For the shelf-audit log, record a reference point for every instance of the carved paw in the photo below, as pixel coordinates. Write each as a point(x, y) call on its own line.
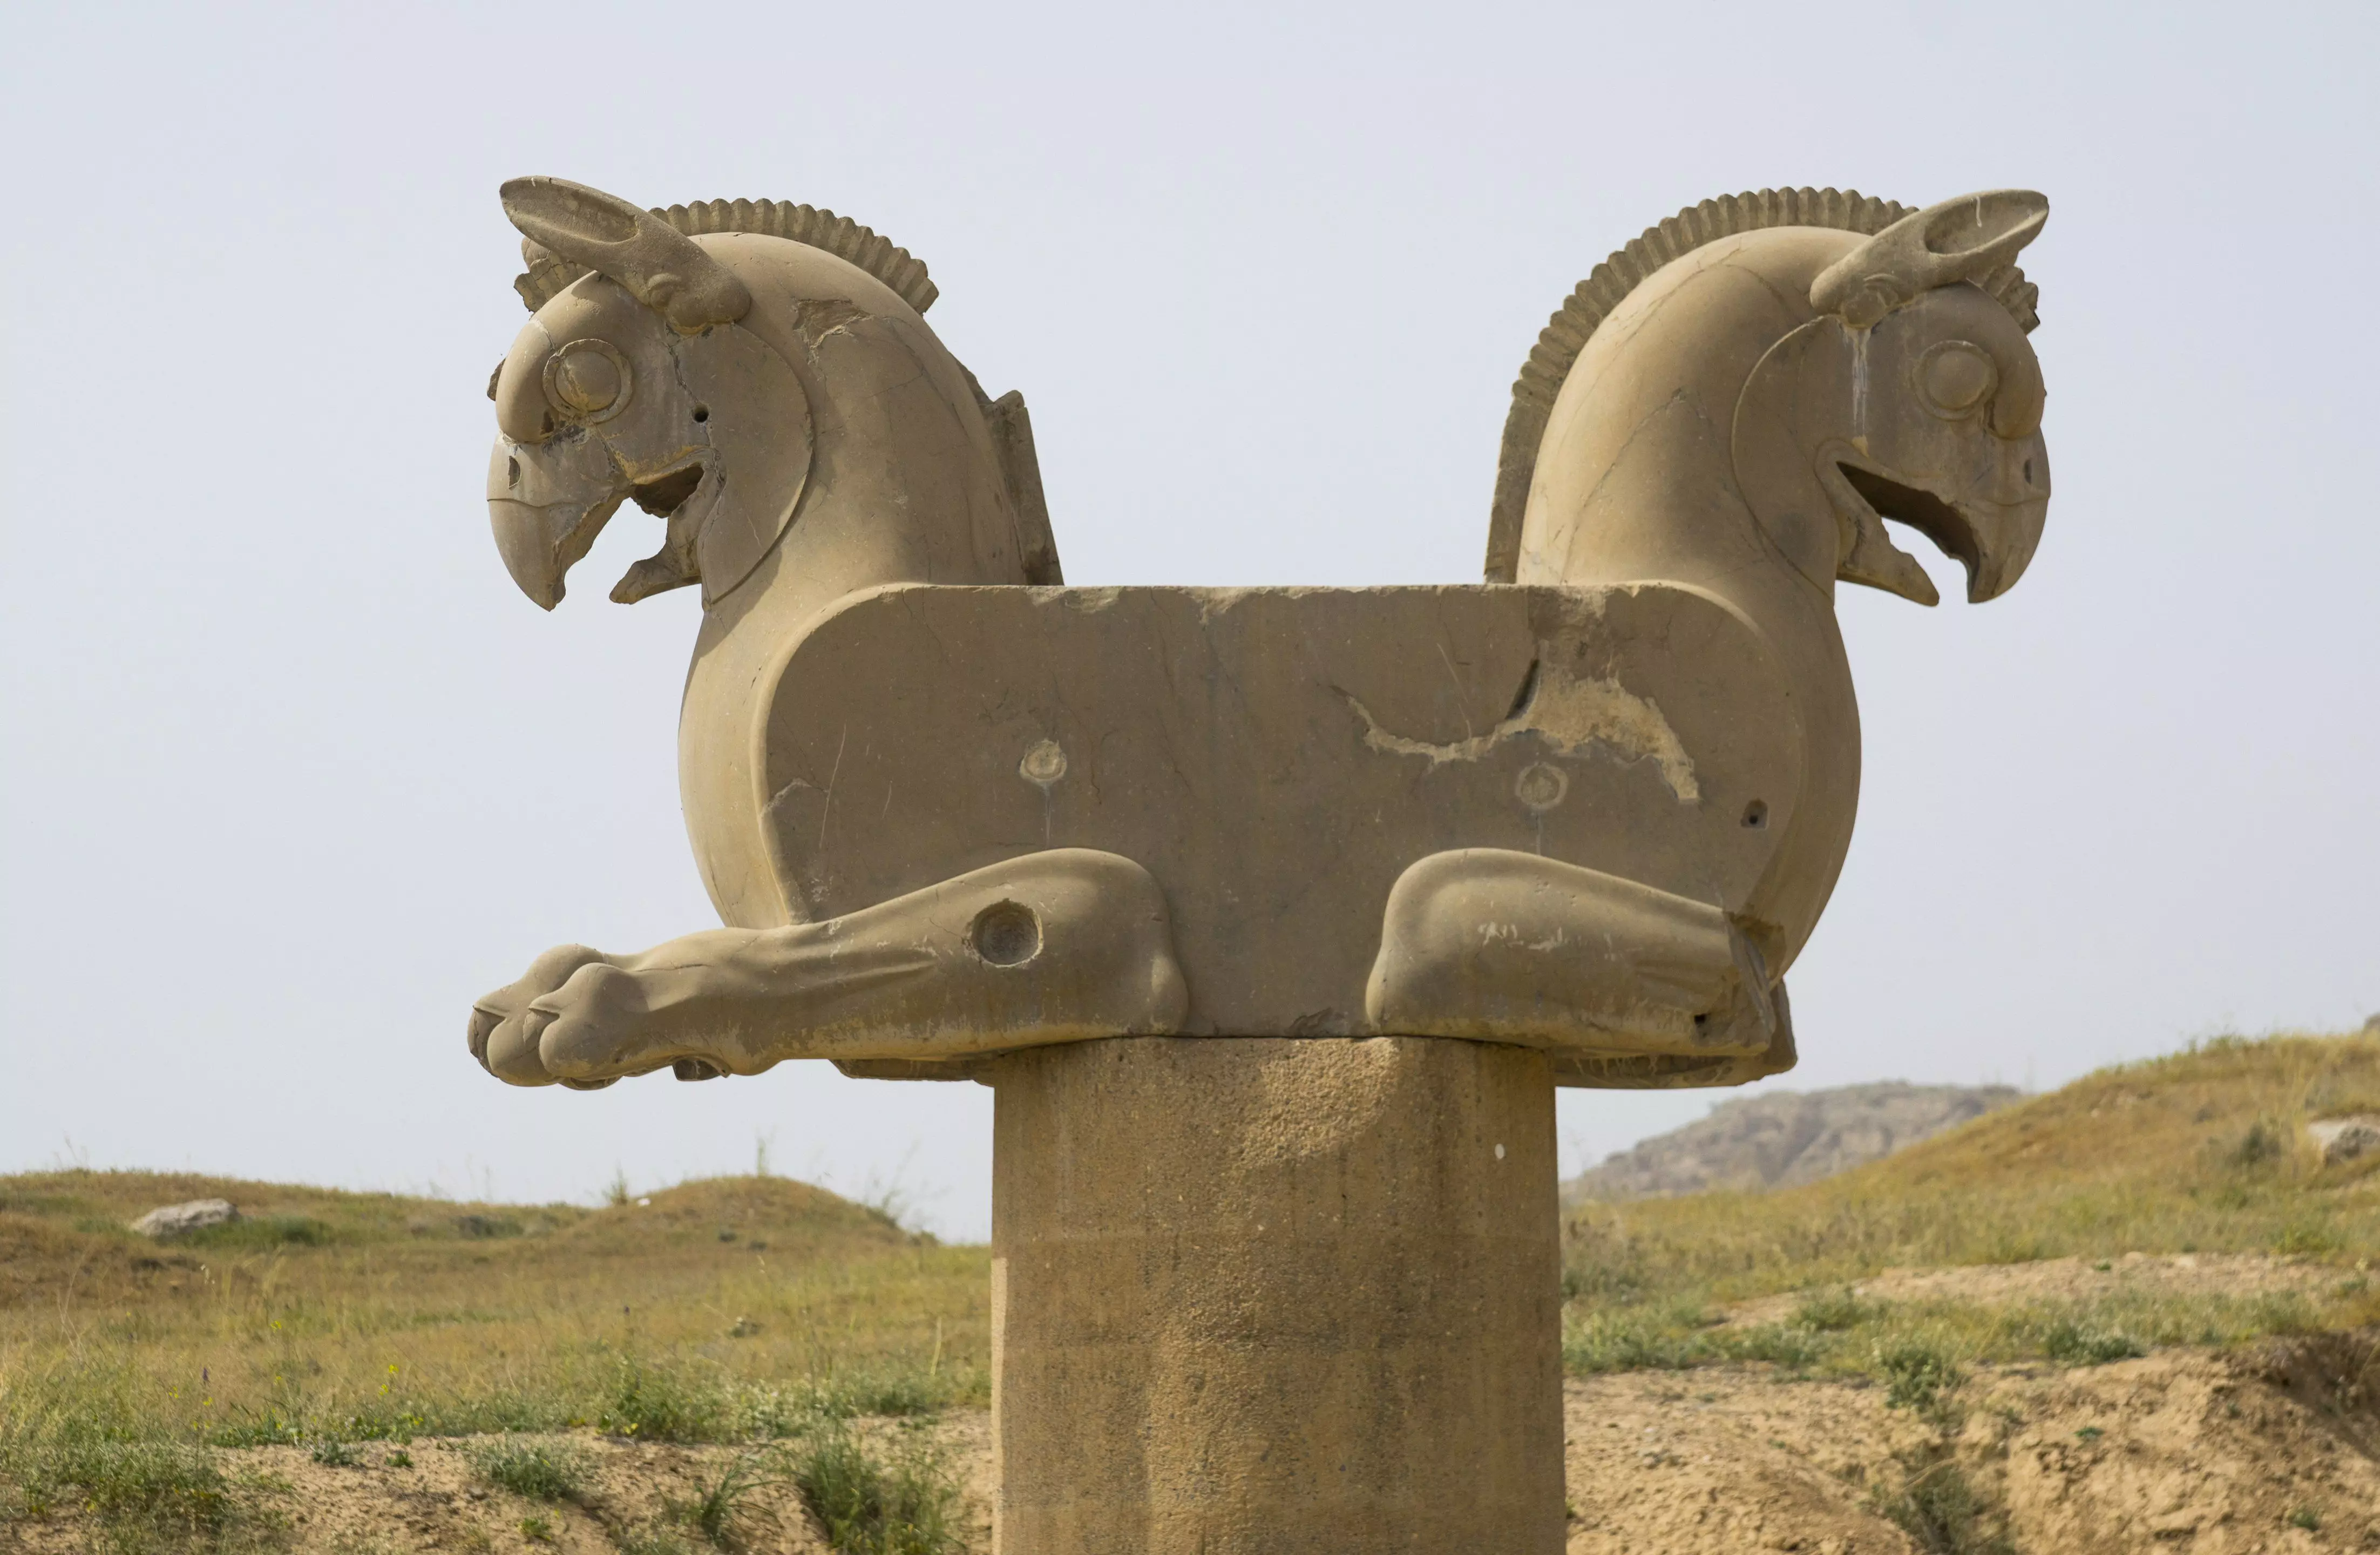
point(508, 1026)
point(1064, 945)
point(584, 1019)
point(1509, 947)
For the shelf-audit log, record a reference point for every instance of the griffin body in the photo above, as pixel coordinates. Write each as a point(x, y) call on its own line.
point(948, 808)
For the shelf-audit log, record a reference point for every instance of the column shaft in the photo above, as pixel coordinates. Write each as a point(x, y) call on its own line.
point(1257, 1295)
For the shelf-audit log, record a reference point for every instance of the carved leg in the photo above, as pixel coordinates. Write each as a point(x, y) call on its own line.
point(1503, 946)
point(1052, 947)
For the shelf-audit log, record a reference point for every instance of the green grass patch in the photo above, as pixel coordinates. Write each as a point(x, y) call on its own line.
point(717, 1511)
point(1916, 1373)
point(543, 1469)
point(253, 1233)
point(2202, 1152)
point(1888, 1341)
point(867, 1503)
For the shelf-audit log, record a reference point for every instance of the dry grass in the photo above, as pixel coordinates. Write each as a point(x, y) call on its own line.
point(758, 1309)
point(705, 1313)
point(2202, 1152)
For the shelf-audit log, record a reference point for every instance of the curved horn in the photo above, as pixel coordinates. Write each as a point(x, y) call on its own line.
point(1961, 239)
point(667, 271)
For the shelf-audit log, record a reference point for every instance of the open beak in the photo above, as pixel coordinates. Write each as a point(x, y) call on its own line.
point(1992, 528)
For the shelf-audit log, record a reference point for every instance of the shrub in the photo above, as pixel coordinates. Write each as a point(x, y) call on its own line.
point(551, 1470)
point(657, 1404)
point(2069, 1344)
point(1916, 1374)
point(1659, 1337)
point(2260, 1143)
point(159, 1481)
point(1833, 1311)
point(720, 1506)
point(1777, 1344)
point(867, 1506)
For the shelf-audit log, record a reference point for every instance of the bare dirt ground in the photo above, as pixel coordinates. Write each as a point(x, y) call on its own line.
point(2273, 1450)
point(2276, 1450)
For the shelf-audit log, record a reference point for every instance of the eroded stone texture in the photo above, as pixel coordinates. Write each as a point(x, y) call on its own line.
point(1243, 1296)
point(1336, 794)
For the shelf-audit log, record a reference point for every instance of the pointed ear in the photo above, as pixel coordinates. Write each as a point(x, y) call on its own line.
point(667, 271)
point(1961, 239)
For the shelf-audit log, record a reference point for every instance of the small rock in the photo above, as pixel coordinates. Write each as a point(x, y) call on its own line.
point(181, 1219)
point(2345, 1138)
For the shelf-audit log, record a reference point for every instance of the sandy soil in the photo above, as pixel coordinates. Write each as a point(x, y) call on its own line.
point(2276, 1450)
point(2180, 1451)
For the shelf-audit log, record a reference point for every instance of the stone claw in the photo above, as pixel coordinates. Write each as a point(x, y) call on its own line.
point(1066, 945)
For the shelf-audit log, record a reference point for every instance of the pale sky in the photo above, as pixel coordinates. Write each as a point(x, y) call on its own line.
point(293, 773)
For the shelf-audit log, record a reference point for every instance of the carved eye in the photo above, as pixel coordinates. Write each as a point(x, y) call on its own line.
point(1955, 376)
point(588, 381)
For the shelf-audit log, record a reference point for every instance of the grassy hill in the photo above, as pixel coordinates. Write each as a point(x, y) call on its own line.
point(753, 1309)
point(2197, 1155)
point(692, 1312)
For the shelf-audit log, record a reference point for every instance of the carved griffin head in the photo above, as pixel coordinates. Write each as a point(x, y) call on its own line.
point(1914, 395)
point(637, 381)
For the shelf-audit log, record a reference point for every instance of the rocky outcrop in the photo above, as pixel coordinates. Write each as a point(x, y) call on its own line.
point(181, 1219)
point(1786, 1137)
point(2341, 1139)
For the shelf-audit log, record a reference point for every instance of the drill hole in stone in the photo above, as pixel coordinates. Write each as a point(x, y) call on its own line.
point(1006, 934)
point(1541, 786)
point(702, 413)
point(1756, 814)
point(1044, 764)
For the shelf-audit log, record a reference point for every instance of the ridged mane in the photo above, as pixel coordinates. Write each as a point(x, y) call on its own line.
point(549, 273)
point(1558, 346)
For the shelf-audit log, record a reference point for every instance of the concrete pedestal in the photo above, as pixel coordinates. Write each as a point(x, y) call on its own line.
point(1256, 1296)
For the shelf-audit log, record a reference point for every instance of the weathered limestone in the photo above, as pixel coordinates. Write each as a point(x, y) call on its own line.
point(2348, 1138)
point(1273, 915)
point(181, 1219)
point(1254, 1297)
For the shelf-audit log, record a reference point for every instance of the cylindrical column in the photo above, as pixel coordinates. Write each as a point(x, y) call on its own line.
point(1252, 1295)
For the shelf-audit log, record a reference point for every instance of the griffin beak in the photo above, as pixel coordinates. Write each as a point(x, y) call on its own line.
point(1993, 534)
point(542, 525)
